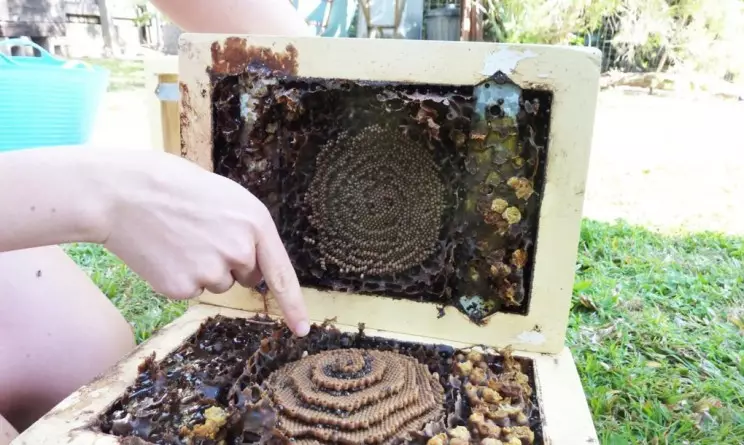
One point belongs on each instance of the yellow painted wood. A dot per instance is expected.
(567, 420)
(571, 73)
(165, 129)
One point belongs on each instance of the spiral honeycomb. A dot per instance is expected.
(354, 396)
(377, 201)
(423, 192)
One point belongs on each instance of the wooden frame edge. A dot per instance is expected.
(564, 410)
(571, 73)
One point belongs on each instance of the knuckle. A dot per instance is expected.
(214, 283)
(211, 271)
(217, 278)
(222, 285)
(179, 291)
(282, 281)
(247, 277)
(244, 256)
(262, 219)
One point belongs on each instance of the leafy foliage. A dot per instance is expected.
(650, 35)
(535, 21)
(691, 35)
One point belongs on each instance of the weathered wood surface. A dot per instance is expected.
(567, 420)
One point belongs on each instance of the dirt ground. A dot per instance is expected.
(667, 163)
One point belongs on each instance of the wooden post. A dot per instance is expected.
(169, 117)
(471, 21)
(165, 131)
(107, 26)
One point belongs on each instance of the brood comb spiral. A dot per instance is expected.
(354, 396)
(377, 201)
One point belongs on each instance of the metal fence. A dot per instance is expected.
(435, 4)
(614, 58)
(602, 40)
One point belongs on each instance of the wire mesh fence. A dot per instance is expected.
(602, 40)
(616, 56)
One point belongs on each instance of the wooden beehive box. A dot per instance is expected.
(506, 128)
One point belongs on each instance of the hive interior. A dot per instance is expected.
(425, 192)
(240, 381)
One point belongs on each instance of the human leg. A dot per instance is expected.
(57, 332)
(7, 432)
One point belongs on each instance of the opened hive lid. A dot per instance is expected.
(421, 187)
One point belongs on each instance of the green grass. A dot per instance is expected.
(124, 74)
(657, 330)
(145, 310)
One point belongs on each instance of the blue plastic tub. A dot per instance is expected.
(46, 101)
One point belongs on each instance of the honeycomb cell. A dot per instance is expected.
(405, 191)
(251, 381)
(376, 202)
(355, 397)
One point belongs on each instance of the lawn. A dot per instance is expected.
(657, 329)
(124, 74)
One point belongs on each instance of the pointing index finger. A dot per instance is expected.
(280, 277)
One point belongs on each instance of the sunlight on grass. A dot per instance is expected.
(657, 330)
(651, 329)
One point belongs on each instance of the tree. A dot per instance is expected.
(107, 27)
(652, 35)
(685, 35)
(540, 21)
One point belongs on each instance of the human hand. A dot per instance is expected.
(184, 229)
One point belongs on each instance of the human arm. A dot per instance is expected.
(179, 227)
(267, 17)
(47, 206)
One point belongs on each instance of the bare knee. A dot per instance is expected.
(58, 330)
(7, 432)
(44, 376)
